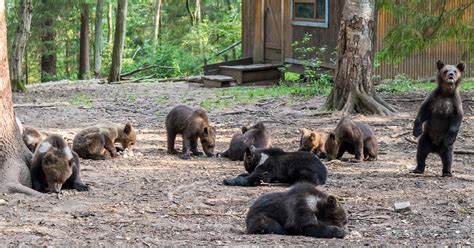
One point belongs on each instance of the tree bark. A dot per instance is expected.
(156, 22)
(68, 57)
(119, 40)
(48, 52)
(109, 22)
(14, 155)
(84, 43)
(19, 45)
(98, 38)
(354, 90)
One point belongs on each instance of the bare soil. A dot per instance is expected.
(155, 199)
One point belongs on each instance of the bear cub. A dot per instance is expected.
(94, 142)
(54, 167)
(275, 165)
(303, 210)
(256, 135)
(192, 124)
(353, 137)
(313, 141)
(439, 119)
(32, 138)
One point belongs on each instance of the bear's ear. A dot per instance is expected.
(332, 135)
(303, 131)
(128, 128)
(332, 201)
(206, 131)
(461, 67)
(439, 64)
(312, 136)
(244, 129)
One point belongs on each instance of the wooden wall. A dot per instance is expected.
(419, 65)
(423, 64)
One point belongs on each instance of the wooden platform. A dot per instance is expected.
(255, 74)
(217, 81)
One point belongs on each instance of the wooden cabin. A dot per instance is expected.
(269, 27)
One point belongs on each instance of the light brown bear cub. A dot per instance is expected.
(32, 138)
(94, 142)
(54, 167)
(313, 141)
(191, 124)
(353, 137)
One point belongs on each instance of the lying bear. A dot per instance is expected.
(353, 137)
(275, 165)
(256, 135)
(439, 119)
(303, 210)
(313, 141)
(95, 142)
(192, 124)
(54, 167)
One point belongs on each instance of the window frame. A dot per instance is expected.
(307, 22)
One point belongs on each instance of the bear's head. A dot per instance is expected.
(208, 140)
(331, 212)
(332, 146)
(449, 76)
(57, 167)
(311, 140)
(127, 136)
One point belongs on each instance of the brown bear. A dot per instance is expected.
(191, 124)
(54, 167)
(32, 138)
(303, 210)
(95, 142)
(439, 119)
(353, 137)
(256, 135)
(313, 141)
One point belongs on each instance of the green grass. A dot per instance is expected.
(162, 100)
(80, 99)
(402, 84)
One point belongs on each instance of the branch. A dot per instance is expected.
(144, 69)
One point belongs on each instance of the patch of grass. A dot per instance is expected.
(403, 84)
(162, 100)
(132, 97)
(80, 99)
(291, 76)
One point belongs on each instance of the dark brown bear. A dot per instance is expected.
(303, 210)
(191, 124)
(32, 138)
(313, 141)
(439, 119)
(275, 165)
(353, 137)
(95, 142)
(256, 135)
(55, 167)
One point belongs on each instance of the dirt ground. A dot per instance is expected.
(155, 199)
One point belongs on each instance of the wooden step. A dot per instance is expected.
(255, 74)
(217, 81)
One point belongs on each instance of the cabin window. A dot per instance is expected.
(313, 13)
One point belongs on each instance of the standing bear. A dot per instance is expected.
(94, 142)
(191, 124)
(439, 119)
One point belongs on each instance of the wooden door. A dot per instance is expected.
(273, 27)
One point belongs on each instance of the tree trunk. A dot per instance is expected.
(156, 23)
(19, 45)
(197, 12)
(119, 40)
(14, 155)
(109, 22)
(48, 52)
(354, 90)
(84, 43)
(68, 57)
(98, 38)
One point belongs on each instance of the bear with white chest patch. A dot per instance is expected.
(275, 165)
(439, 119)
(55, 166)
(303, 210)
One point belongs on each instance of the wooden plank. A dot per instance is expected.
(258, 51)
(213, 69)
(218, 78)
(300, 62)
(253, 67)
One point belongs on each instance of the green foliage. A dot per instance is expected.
(420, 24)
(402, 83)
